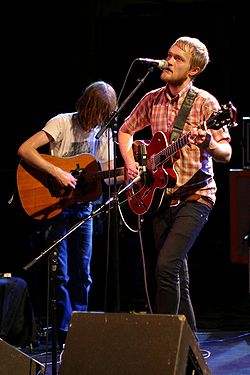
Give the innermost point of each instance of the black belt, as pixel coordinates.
(174, 201)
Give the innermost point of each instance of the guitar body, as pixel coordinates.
(41, 200)
(146, 195)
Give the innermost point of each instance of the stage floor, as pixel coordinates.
(225, 352)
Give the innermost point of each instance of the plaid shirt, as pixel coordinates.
(194, 166)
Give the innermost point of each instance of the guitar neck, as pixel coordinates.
(182, 141)
(166, 153)
(110, 173)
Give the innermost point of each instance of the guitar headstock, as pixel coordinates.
(226, 116)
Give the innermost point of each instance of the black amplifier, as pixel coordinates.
(246, 142)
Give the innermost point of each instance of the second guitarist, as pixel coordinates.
(70, 134)
(191, 194)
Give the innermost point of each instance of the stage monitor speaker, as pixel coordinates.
(14, 361)
(131, 344)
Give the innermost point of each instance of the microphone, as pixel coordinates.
(162, 64)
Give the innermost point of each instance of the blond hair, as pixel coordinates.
(199, 52)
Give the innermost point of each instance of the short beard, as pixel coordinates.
(174, 83)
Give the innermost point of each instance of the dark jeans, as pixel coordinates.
(73, 278)
(175, 230)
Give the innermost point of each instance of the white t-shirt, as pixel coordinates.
(69, 140)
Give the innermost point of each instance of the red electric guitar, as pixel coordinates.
(145, 196)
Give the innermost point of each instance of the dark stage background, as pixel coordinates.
(49, 54)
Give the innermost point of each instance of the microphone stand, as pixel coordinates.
(54, 263)
(52, 276)
(53, 269)
(112, 124)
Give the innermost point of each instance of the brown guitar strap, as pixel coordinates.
(183, 114)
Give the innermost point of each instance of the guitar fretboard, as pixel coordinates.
(224, 117)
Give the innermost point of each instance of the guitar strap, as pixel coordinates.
(183, 114)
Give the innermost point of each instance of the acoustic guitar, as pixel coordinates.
(40, 195)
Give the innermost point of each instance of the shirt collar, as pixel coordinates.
(181, 94)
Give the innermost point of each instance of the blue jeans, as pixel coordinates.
(73, 278)
(176, 230)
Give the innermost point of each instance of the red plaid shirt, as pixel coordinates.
(194, 167)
